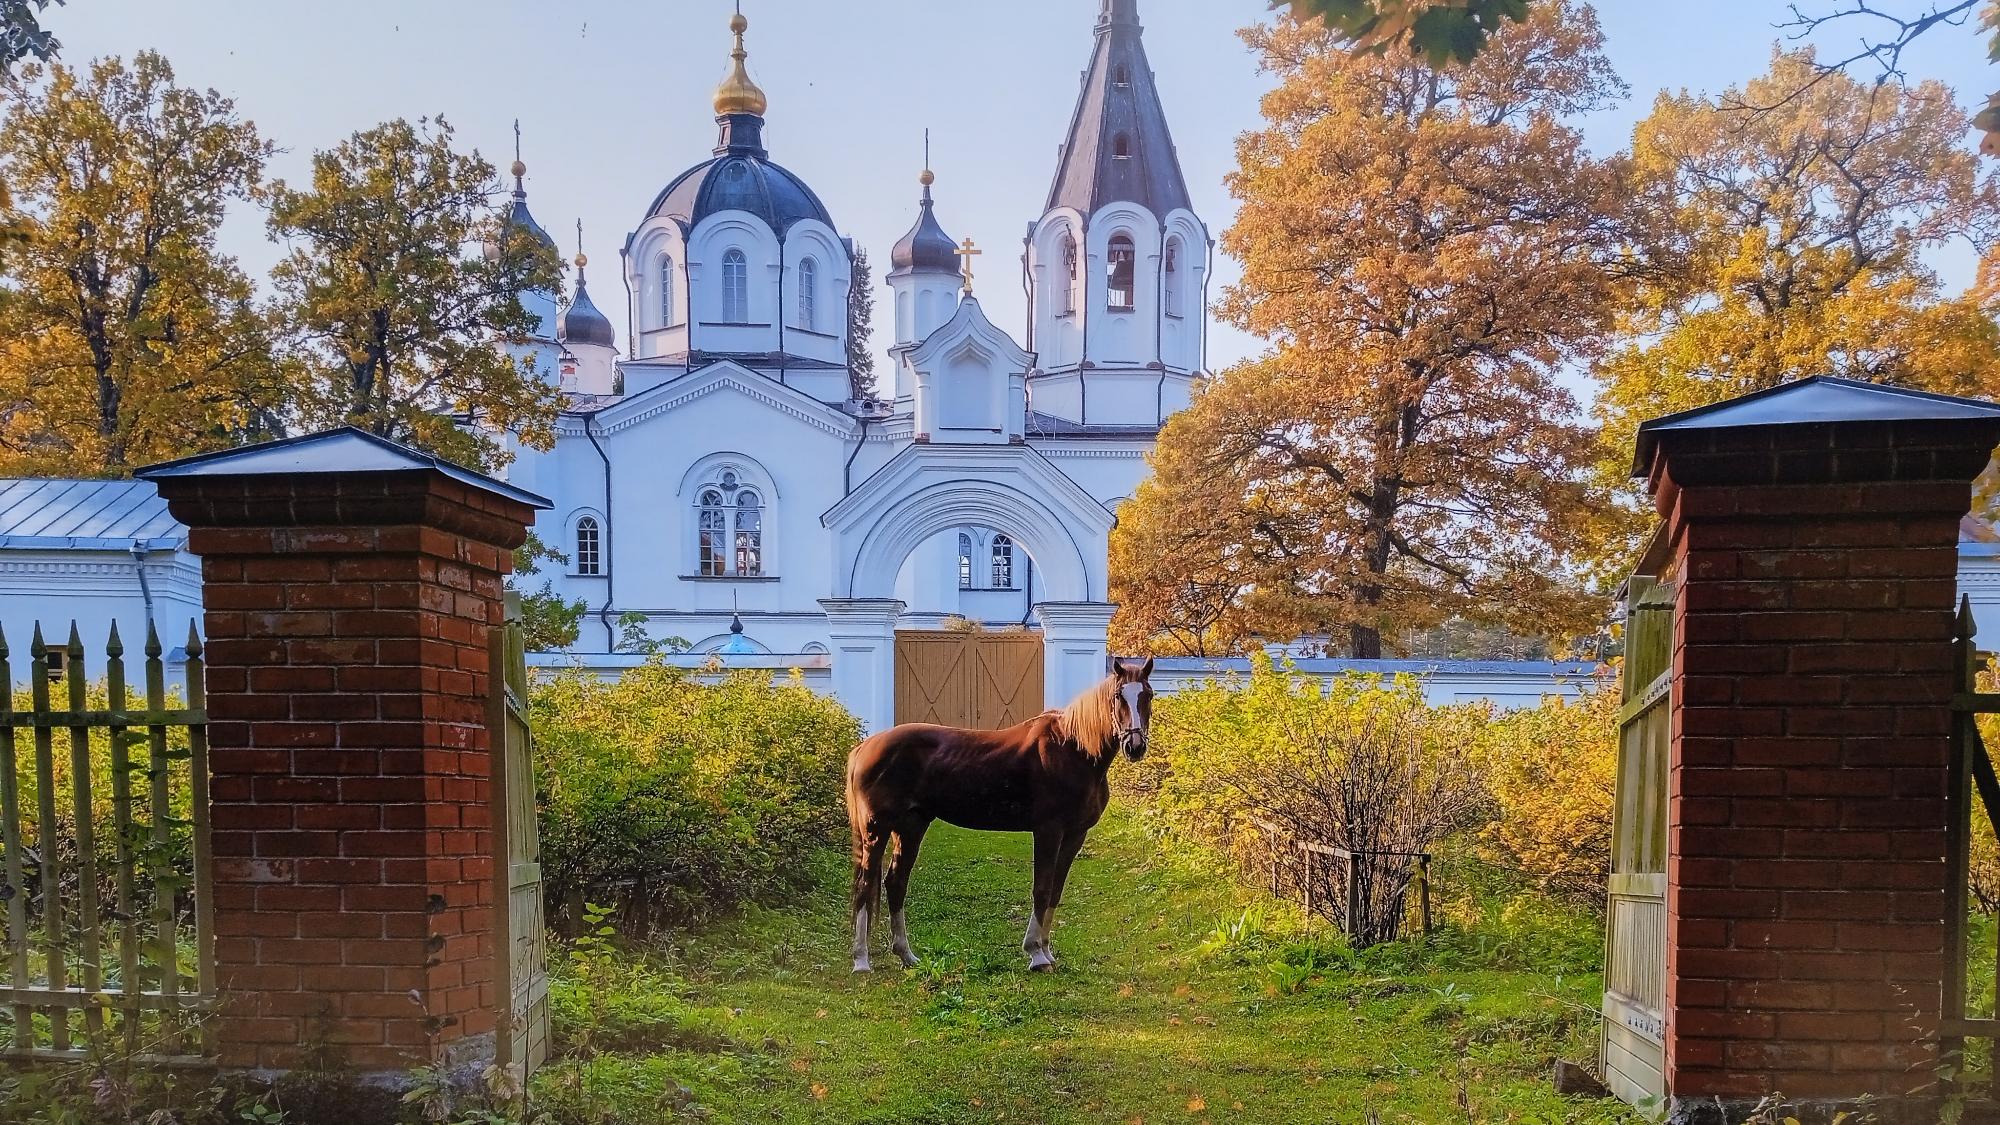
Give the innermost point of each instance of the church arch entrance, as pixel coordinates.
(927, 491)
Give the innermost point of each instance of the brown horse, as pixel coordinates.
(1046, 776)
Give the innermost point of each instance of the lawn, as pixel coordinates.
(1180, 998)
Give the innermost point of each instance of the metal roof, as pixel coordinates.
(926, 247)
(1819, 399)
(345, 450)
(110, 515)
(582, 323)
(1042, 425)
(1119, 104)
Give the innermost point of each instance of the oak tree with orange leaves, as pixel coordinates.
(1424, 251)
(1799, 210)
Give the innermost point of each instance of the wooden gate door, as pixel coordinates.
(519, 941)
(983, 681)
(1635, 958)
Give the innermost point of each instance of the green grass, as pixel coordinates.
(1180, 997)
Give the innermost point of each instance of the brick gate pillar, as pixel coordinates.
(1812, 534)
(350, 586)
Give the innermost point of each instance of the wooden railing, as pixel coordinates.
(109, 920)
(1969, 770)
(1349, 908)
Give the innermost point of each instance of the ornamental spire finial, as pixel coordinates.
(519, 168)
(738, 94)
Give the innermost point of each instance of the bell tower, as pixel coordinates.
(1117, 266)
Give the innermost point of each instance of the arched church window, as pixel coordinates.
(1003, 563)
(1121, 76)
(1072, 277)
(1121, 147)
(589, 555)
(712, 544)
(808, 294)
(666, 291)
(964, 561)
(735, 288)
(1172, 266)
(749, 534)
(1119, 288)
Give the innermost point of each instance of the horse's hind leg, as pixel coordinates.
(1048, 845)
(869, 840)
(908, 839)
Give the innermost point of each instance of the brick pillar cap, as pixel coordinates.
(1820, 399)
(345, 450)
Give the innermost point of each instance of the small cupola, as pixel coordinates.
(581, 322)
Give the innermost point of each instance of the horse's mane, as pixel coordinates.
(1090, 719)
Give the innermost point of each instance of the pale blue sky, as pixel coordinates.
(613, 96)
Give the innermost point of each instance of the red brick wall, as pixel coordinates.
(347, 623)
(1806, 878)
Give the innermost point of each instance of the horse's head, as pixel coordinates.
(1132, 710)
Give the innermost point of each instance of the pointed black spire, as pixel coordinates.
(1119, 148)
(581, 322)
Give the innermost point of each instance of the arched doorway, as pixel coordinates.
(932, 490)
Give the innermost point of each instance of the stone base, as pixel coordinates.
(1906, 1110)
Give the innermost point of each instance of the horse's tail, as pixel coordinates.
(866, 831)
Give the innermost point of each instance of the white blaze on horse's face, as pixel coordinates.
(1136, 712)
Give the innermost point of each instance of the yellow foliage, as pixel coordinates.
(1789, 241)
(1552, 771)
(1424, 252)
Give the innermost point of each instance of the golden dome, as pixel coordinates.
(581, 261)
(738, 94)
(927, 179)
(519, 168)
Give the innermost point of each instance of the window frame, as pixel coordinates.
(808, 310)
(665, 267)
(1112, 248)
(1001, 556)
(964, 561)
(735, 286)
(751, 550)
(586, 560)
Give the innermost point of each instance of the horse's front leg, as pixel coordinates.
(1072, 842)
(1048, 851)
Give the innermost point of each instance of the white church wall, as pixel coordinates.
(1059, 317)
(1116, 337)
(93, 589)
(1184, 313)
(659, 305)
(713, 327)
(826, 337)
(1106, 470)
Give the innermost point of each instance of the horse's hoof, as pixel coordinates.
(861, 965)
(1042, 962)
(909, 959)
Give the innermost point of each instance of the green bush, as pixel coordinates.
(675, 799)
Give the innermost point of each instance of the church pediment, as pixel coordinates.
(970, 381)
(724, 377)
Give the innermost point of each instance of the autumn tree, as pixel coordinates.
(1424, 251)
(396, 313)
(1441, 31)
(1794, 244)
(860, 327)
(126, 336)
(22, 33)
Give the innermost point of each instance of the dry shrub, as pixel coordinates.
(1363, 765)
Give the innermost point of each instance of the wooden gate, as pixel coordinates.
(973, 679)
(519, 942)
(110, 919)
(1635, 956)
(1970, 784)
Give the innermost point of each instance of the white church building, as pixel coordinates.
(714, 466)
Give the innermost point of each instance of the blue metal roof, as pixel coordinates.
(86, 514)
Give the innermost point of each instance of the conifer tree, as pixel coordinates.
(860, 326)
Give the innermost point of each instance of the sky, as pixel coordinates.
(613, 97)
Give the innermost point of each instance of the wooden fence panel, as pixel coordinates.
(971, 679)
(122, 873)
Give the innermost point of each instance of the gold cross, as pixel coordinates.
(965, 253)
